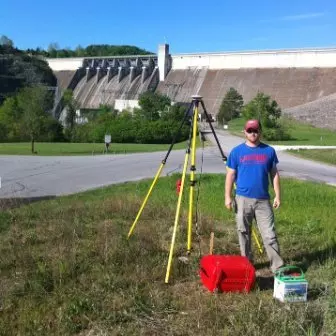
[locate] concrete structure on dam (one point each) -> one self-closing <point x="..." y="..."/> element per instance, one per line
<point x="297" y="79"/>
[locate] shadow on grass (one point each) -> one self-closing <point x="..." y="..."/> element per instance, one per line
<point x="304" y="260"/>
<point x="316" y="292"/>
<point x="10" y="203"/>
<point x="265" y="283"/>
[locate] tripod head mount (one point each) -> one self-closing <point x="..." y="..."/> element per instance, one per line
<point x="196" y="98"/>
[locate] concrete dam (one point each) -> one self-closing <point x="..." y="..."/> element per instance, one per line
<point x="299" y="80"/>
<point x="109" y="79"/>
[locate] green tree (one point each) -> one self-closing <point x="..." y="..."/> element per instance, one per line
<point x="52" y="130"/>
<point x="91" y="50"/>
<point x="79" y="51"/>
<point x="104" y="113"/>
<point x="105" y="108"/>
<point x="10" y="119"/>
<point x="175" y="112"/>
<point x="71" y="105"/>
<point x="13" y="126"/>
<point x="34" y="102"/>
<point x="152" y="104"/>
<point x="267" y="111"/>
<point x="5" y="41"/>
<point x="3" y="132"/>
<point x="18" y="70"/>
<point x="231" y="106"/>
<point x="53" y="49"/>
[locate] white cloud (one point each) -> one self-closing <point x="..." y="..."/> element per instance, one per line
<point x="299" y="17"/>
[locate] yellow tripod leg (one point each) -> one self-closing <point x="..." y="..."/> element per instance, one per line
<point x="255" y="236"/>
<point x="145" y="200"/>
<point x="192" y="175"/>
<point x="177" y="215"/>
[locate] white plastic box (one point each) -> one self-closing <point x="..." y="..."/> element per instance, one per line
<point x="290" y="285"/>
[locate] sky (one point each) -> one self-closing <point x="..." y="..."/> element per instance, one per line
<point x="187" y="26"/>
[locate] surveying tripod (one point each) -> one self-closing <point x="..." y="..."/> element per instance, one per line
<point x="192" y="112"/>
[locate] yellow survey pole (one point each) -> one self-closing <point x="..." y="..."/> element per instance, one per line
<point x="192" y="173"/>
<point x="255" y="236"/>
<point x="145" y="200"/>
<point x="177" y="215"/>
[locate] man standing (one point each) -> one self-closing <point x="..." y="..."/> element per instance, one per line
<point x="249" y="166"/>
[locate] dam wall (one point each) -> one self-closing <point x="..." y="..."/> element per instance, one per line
<point x="291" y="77"/>
<point x="296" y="58"/>
<point x="288" y="86"/>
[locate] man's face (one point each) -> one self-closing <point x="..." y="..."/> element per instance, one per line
<point x="253" y="135"/>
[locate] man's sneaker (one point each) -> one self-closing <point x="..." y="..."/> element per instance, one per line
<point x="264" y="273"/>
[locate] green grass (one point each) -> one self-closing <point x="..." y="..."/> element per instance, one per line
<point x="322" y="155"/>
<point x="60" y="148"/>
<point x="302" y="134"/>
<point x="67" y="268"/>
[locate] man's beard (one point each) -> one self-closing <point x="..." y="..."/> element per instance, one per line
<point x="254" y="140"/>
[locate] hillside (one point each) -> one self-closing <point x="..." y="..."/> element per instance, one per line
<point x="90" y="51"/>
<point x="320" y="113"/>
<point x="19" y="69"/>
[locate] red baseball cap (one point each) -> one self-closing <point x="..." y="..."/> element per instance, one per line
<point x="252" y="124"/>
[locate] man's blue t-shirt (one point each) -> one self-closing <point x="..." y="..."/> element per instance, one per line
<point x="252" y="166"/>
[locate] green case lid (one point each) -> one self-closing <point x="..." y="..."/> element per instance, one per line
<point x="281" y="274"/>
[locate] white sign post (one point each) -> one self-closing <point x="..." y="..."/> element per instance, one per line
<point x="107" y="141"/>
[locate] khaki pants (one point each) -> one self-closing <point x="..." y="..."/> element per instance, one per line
<point x="260" y="210"/>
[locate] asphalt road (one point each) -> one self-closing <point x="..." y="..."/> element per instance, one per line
<point x="288" y="164"/>
<point x="35" y="176"/>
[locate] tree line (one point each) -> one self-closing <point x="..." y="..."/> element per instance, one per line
<point x="25" y="117"/>
<point x="92" y="50"/>
<point x="54" y="51"/>
<point x="261" y="107"/>
<point x="156" y="121"/>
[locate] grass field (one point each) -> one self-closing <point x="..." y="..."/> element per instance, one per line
<point x="322" y="155"/>
<point x="302" y="134"/>
<point x="68" y="269"/>
<point x="63" y="148"/>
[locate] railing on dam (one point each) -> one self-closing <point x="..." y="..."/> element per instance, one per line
<point x="63" y="64"/>
<point x="298" y="58"/>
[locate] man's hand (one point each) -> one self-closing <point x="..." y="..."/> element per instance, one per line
<point x="276" y="203"/>
<point x="228" y="203"/>
<point x="276" y="185"/>
<point x="229" y="180"/>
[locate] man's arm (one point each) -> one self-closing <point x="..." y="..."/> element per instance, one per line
<point x="275" y="178"/>
<point x="230" y="178"/>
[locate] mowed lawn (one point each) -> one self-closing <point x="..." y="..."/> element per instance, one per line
<point x="322" y="155"/>
<point x="67" y="267"/>
<point x="63" y="148"/>
<point x="302" y="134"/>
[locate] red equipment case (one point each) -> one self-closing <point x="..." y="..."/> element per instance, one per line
<point x="227" y="273"/>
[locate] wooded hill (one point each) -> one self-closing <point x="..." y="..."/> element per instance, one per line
<point x="18" y="69"/>
<point x="90" y="51"/>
